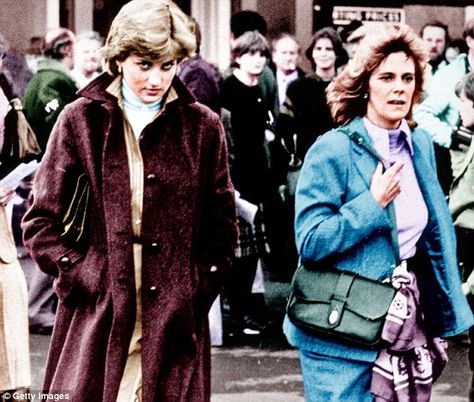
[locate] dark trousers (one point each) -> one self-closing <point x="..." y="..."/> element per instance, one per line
<point x="465" y="241"/>
<point x="238" y="289"/>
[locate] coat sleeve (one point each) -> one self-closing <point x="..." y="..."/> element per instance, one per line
<point x="219" y="229"/>
<point x="42" y="224"/>
<point x="217" y="237"/>
<point x="331" y="218"/>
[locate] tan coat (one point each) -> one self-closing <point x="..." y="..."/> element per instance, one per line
<point x="14" y="338"/>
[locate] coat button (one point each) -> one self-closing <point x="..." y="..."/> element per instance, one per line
<point x="65" y="263"/>
<point x="153" y="247"/>
<point x="152" y="290"/>
<point x="151" y="178"/>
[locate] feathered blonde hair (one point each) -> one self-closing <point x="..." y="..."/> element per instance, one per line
<point x="345" y="94"/>
<point x="154" y="29"/>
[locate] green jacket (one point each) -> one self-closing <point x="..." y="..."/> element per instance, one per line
<point x="461" y="195"/>
<point x="50" y="89"/>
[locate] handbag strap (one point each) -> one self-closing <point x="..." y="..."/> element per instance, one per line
<point x="360" y="141"/>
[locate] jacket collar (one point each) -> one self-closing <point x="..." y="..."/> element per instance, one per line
<point x="97" y="90"/>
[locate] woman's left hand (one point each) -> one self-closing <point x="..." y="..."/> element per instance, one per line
<point x="6" y="194"/>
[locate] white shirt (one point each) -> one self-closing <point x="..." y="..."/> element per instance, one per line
<point x="282" y="84"/>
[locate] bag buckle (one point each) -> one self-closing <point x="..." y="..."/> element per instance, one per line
<point x="339" y="298"/>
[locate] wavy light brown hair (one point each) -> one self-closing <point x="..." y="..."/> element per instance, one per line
<point x="153" y="29"/>
<point x="345" y="95"/>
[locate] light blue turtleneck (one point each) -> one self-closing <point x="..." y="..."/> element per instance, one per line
<point x="138" y="113"/>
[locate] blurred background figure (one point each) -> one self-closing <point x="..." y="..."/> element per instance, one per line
<point x="285" y="55"/>
<point x="435" y="35"/>
<point x="14" y="340"/>
<point x="303" y="117"/>
<point x="439" y="112"/>
<point x="87" y="60"/>
<point x="305" y="112"/>
<point x="49" y="91"/>
<point x="461" y="203"/>
<point x="353" y="39"/>
<point x="242" y="97"/>
<point x="455" y="48"/>
<point x="245" y="21"/>
<point x="201" y="77"/>
<point x="35" y="52"/>
<point x="52" y="87"/>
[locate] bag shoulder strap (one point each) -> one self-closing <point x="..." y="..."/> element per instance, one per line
<point x="360" y="141"/>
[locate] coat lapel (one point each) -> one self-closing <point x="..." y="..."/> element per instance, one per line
<point x="364" y="160"/>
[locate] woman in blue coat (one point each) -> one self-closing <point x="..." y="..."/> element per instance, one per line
<point x="346" y="195"/>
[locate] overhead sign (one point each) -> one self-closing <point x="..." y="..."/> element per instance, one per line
<point x="344" y="15"/>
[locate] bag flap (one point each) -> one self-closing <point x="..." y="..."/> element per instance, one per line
<point x="367" y="298"/>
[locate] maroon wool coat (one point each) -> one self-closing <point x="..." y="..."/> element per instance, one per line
<point x="188" y="225"/>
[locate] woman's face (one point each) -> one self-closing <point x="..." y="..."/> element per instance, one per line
<point x="391" y="89"/>
<point x="252" y="63"/>
<point x="323" y="54"/>
<point x="147" y="79"/>
<point x="466" y="111"/>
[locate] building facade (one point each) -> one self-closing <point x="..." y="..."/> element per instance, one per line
<point x="22" y="19"/>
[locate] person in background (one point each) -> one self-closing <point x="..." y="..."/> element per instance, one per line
<point x="305" y="112"/>
<point x="353" y="39"/>
<point x="245" y="21"/>
<point x="439" y="112"/>
<point x="87" y="60"/>
<point x="455" y="47"/>
<point x="135" y="293"/>
<point x="15" y="373"/>
<point x="35" y="52"/>
<point x="344" y="200"/>
<point x="52" y="87"/>
<point x="242" y="97"/>
<point x="49" y="91"/>
<point x="240" y="23"/>
<point x="435" y="35"/>
<point x="461" y="204"/>
<point x="201" y="77"/>
<point x="303" y="117"/>
<point x="285" y="55"/>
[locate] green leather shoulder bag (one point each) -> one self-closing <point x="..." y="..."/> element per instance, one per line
<point x="333" y="303"/>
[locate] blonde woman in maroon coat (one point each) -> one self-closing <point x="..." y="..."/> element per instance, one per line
<point x="160" y="225"/>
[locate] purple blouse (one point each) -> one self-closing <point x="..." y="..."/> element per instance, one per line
<point x="410" y="207"/>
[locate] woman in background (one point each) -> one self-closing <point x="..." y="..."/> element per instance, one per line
<point x="14" y="338"/>
<point x="242" y="97"/>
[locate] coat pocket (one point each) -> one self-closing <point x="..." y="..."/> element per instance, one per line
<point x="81" y="281"/>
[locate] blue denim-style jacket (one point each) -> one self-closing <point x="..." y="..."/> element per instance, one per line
<point x="339" y="221"/>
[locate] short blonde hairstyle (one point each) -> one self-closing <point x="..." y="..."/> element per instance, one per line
<point x="346" y="95"/>
<point x="153" y="29"/>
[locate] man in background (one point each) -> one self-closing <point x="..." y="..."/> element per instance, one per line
<point x="435" y="35"/>
<point x="438" y="114"/>
<point x="285" y="55"/>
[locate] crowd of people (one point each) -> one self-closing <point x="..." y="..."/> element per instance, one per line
<point x="167" y="192"/>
